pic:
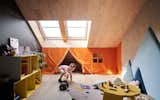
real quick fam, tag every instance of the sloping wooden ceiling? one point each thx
(110, 18)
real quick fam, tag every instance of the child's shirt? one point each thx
(65, 68)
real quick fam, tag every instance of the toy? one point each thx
(63, 85)
(63, 82)
(65, 77)
(85, 86)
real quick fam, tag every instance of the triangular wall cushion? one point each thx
(128, 76)
(138, 76)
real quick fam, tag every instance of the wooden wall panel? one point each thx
(110, 19)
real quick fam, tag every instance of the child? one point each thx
(66, 71)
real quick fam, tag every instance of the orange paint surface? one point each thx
(109, 65)
(119, 59)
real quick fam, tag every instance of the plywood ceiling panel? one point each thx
(110, 18)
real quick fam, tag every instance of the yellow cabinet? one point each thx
(30, 77)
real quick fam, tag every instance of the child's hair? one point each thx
(72, 65)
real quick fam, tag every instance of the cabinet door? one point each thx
(31, 82)
(20, 88)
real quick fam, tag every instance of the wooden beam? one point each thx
(36, 31)
(63, 30)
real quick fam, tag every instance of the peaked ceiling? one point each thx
(110, 18)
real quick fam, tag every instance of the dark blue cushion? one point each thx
(138, 76)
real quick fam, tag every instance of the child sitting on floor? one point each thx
(66, 71)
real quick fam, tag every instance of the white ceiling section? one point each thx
(110, 18)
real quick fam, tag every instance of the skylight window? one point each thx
(77, 32)
(77, 29)
(49, 23)
(52, 32)
(75, 23)
(66, 30)
(51, 29)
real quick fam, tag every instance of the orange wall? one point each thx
(119, 59)
(109, 60)
(110, 65)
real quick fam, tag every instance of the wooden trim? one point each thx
(63, 30)
(41, 30)
(35, 30)
(87, 29)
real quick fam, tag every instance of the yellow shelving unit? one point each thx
(31, 79)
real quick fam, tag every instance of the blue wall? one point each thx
(148, 60)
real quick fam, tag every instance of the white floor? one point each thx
(49, 89)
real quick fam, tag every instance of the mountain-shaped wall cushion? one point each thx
(138, 77)
(128, 76)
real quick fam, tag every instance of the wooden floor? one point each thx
(49, 89)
